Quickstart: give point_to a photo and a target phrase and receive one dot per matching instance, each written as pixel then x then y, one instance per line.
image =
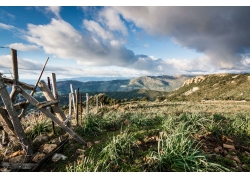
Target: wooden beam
pixel 47 103
pixel 49 97
pixel 19 105
pixel 7 125
pixel 77 96
pixel 27 147
pixel 71 90
pixel 80 109
pixel 14 66
pixel 54 85
pixel 33 101
pixel 87 103
pixel 51 110
pixel 22 84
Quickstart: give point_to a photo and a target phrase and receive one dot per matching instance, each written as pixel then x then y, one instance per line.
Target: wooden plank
pixel 7 125
pixel 49 97
pixel 47 103
pixel 70 108
pixel 27 147
pixel 71 90
pixel 87 103
pixel 51 110
pixel 76 93
pixel 22 84
pixel 54 85
pixel 33 101
pixel 18 165
pixel 14 66
pixel 19 105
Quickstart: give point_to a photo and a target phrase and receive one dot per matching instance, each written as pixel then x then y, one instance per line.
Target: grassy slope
pixel 215 87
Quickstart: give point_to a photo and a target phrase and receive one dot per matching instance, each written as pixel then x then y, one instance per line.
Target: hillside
pixel 214 87
pixel 157 83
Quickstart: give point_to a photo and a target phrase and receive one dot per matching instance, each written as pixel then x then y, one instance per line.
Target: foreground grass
pixel 156 137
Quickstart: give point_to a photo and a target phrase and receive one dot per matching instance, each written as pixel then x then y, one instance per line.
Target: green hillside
pixel 214 87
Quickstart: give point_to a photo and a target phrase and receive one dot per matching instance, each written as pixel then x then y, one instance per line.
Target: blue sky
pixel 124 41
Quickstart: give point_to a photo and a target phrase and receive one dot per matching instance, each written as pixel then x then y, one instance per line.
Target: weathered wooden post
pixel 54 85
pixel 13 116
pixel 80 109
pixel 70 107
pixel 14 91
pixel 87 104
pixel 51 110
pixel 71 90
pixel 96 103
pixel 76 93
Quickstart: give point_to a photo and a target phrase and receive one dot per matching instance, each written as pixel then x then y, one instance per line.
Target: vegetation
pixel 157 136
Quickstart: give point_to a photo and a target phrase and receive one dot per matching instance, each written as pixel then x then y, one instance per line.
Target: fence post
pixel 76 92
pixel 53 125
pixel 70 107
pixel 71 90
pixel 87 104
pixel 80 109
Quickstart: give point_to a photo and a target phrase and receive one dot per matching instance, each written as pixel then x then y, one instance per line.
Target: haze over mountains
pixel 156 83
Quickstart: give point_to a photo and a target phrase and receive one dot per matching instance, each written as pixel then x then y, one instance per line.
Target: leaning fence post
pixel 71 90
pixel 87 104
pixel 76 92
pixel 70 108
pixel 51 110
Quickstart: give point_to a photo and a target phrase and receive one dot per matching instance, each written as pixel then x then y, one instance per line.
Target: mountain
pixel 213 87
pixel 157 83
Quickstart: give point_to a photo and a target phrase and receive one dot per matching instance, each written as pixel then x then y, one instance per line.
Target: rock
pixel 228 146
pixel 56 157
pixel 236 158
pixel 20 152
pixel 17 159
pixel 80 151
pixel 47 148
pixel 218 149
pixel 89 144
pixel 97 142
pixel 38 157
pixel 39 140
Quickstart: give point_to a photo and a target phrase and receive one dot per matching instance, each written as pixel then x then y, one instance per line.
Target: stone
pixel 39 140
pixel 47 148
pixel 89 144
pixel 236 158
pixel 218 149
pixel 38 157
pixel 228 146
pixel 17 159
pixel 80 151
pixel 56 157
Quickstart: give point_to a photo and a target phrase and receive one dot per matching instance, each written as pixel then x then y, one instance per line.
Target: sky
pixel 101 40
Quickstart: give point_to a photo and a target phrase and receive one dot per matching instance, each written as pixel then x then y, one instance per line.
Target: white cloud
pixel 7 27
pixel 146 45
pixel 95 27
pixel 110 18
pixel 64 41
pixel 23 47
pixel 55 10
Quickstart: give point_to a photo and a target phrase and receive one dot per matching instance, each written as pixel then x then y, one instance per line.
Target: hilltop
pixel 214 87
